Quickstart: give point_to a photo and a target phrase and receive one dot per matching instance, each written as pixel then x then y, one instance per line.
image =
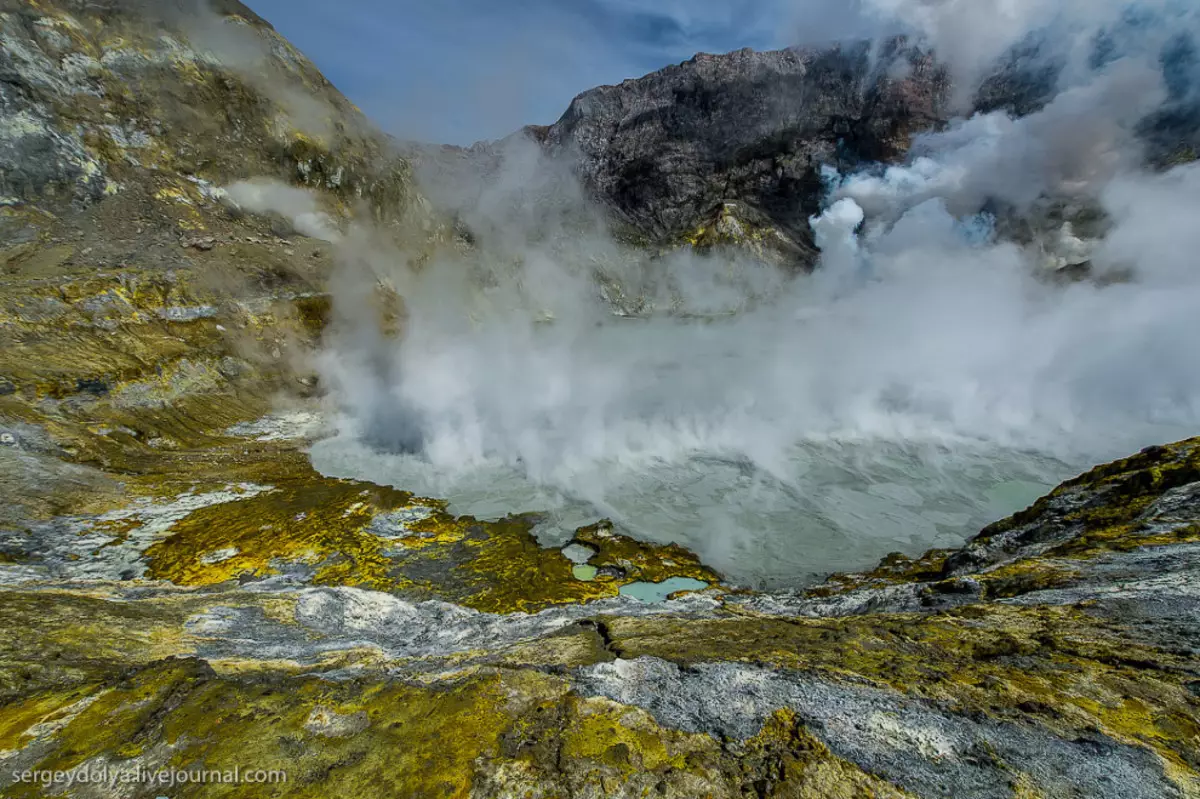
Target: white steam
pixel 298 206
pixel 926 378
pixel 1071 148
pixel 971 37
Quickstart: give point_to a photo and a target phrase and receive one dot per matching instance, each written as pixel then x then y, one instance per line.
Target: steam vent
pixel 732 437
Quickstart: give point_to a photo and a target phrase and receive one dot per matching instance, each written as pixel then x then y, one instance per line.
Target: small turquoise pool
pixel 653 593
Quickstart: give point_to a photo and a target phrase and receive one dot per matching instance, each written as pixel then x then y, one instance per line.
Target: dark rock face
pixel 673 154
pixel 664 151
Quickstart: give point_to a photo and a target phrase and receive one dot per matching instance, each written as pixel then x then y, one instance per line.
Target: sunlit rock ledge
pixel 354 635
pixel 181 589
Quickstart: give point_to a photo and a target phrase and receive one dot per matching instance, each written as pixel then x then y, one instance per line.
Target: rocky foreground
pixel 357 639
pixel 182 591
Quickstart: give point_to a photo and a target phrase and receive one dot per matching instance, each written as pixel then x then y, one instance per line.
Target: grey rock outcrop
pixel 730 149
pixel 666 151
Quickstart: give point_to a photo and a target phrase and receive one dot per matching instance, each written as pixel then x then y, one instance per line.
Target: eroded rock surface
pixel 667 151
pixel 1056 655
pixel 181 590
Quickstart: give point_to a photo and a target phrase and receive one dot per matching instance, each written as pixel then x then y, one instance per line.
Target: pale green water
pixel 1012 495
pixel 653 593
pixel 831 507
pixel 584 572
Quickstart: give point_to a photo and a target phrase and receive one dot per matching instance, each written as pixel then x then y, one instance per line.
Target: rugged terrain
pixel 182 590
pixel 728 151
pixel 742 137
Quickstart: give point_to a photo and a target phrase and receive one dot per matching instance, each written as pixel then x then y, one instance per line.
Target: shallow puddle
pixel 653 593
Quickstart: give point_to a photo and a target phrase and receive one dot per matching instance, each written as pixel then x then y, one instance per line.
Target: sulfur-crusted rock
pixel 181 591
pixel 1054 691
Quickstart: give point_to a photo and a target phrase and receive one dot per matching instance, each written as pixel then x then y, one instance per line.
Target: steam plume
pixel 785 425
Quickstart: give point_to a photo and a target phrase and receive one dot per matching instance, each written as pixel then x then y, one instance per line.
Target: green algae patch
pixel 637 561
pixel 1026 576
pixel 566 745
pixel 64 638
pixel 576 646
pixel 20 720
pixel 367 739
pixel 804 767
pixel 1123 538
pixel 318 522
pixel 623 738
pixel 894 569
pixel 117 722
pixel 506 570
pixel 59 363
pixel 314 313
pixel 398 739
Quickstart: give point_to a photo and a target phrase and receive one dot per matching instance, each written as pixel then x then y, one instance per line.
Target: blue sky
pixel 458 71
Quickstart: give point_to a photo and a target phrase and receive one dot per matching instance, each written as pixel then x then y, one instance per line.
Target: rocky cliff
pixel 729 149
pixel 181 591
pixel 745 135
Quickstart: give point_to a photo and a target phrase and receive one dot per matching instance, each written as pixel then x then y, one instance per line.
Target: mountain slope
pixel 666 150
pixel 135 296
pixel 181 591
pixel 730 149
